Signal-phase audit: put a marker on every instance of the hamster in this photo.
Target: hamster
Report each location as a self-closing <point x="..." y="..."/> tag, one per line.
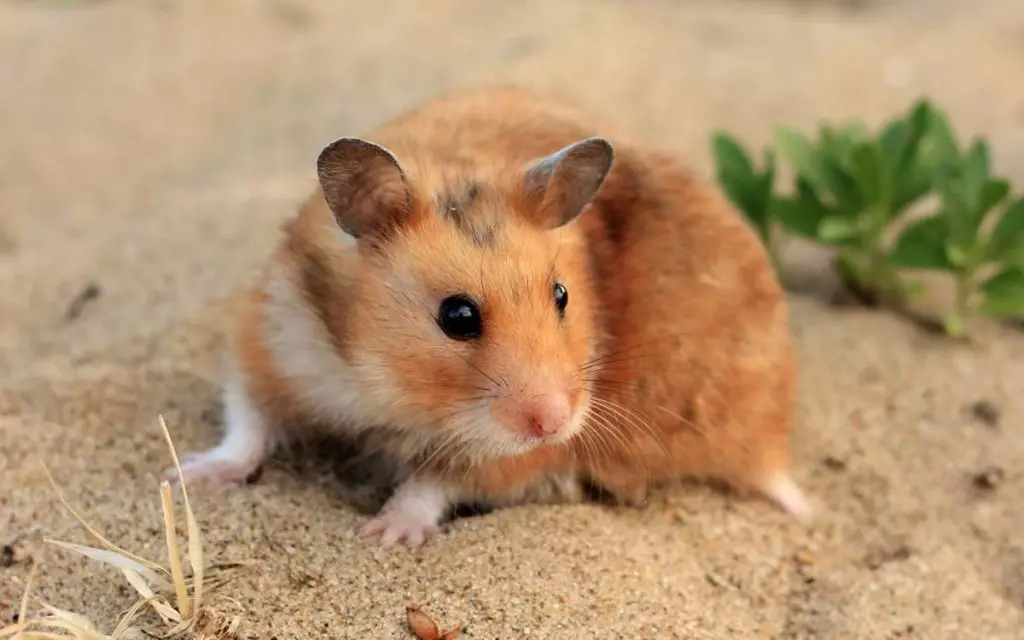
<point x="497" y="291"/>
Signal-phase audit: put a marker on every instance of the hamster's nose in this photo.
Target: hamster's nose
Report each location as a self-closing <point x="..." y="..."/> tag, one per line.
<point x="547" y="415"/>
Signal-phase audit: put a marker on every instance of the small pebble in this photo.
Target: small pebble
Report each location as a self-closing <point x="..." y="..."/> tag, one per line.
<point x="804" y="558"/>
<point x="835" y="464"/>
<point x="988" y="479"/>
<point x="986" y="412"/>
<point x="878" y="558"/>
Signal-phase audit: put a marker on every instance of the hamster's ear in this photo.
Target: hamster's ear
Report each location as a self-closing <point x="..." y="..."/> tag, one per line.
<point x="559" y="186"/>
<point x="364" y="186"/>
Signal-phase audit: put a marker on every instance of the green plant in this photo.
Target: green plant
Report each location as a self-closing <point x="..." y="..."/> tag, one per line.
<point x="851" y="186"/>
<point x="986" y="260"/>
<point x="746" y="187"/>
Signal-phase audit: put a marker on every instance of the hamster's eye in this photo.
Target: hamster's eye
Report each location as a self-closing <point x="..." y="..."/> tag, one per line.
<point x="460" y="318"/>
<point x="561" y="297"/>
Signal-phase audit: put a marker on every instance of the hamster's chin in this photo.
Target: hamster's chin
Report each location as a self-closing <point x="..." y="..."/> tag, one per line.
<point x="503" y="442"/>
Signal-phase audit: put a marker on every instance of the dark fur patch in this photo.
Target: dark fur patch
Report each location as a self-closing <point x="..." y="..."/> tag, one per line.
<point x="457" y="207"/>
<point x="464" y="510"/>
<point x="319" y="292"/>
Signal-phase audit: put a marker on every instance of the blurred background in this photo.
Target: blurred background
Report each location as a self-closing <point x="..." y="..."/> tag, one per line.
<point x="119" y="116"/>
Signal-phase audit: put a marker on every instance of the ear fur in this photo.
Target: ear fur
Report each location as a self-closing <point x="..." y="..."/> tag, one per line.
<point x="562" y="184"/>
<point x="364" y="186"/>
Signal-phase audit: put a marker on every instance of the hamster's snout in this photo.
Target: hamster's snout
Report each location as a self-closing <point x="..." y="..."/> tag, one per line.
<point x="537" y="410"/>
<point x="547" y="415"/>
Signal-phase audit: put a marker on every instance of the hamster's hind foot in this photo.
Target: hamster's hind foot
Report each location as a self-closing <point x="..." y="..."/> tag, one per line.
<point x="247" y="441"/>
<point x="780" y="488"/>
<point x="211" y="471"/>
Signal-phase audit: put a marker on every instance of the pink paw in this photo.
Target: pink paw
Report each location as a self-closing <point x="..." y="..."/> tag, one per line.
<point x="409" y="526"/>
<point x="207" y="472"/>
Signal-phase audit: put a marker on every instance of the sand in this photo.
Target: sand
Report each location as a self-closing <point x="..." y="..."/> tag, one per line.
<point x="151" y="148"/>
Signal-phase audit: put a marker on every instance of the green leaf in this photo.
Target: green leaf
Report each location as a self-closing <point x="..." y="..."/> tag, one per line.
<point x="1004" y="293"/>
<point x="853" y="131"/>
<point x="891" y="140"/>
<point x="737" y="176"/>
<point x="1003" y="307"/>
<point x="838" y="144"/>
<point x="801" y="214"/>
<point x="905" y="181"/>
<point x="968" y="194"/>
<point x="908" y="190"/>
<point x="795" y="147"/>
<point x="975" y="175"/>
<point x="1015" y="257"/>
<point x="917" y="124"/>
<point x="938" y="145"/>
<point x="767" y="181"/>
<point x="922" y="245"/>
<point x="1007" y="282"/>
<point x="962" y="230"/>
<point x="957" y="255"/>
<point x="731" y="157"/>
<point x="937" y="153"/>
<point x="834" y="229"/>
<point x="867" y="170"/>
<point x="794" y="216"/>
<point x="994" y="192"/>
<point x="848" y="196"/>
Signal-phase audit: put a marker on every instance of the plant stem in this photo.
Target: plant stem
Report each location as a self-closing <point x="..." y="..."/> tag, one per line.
<point x="769" y="244"/>
<point x="882" y="276"/>
<point x="854" y="277"/>
<point x="954" y="322"/>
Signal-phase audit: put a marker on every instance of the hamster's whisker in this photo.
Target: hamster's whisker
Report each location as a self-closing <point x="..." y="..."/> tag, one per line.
<point x="485" y="394"/>
<point x="585" y="436"/>
<point x="621" y="352"/>
<point x="601" y="443"/>
<point x="449" y="441"/>
<point x="479" y="370"/>
<point x="690" y="423"/>
<point x="596" y="419"/>
<point x="634" y="419"/>
<point x="613" y="430"/>
<point x="448" y="418"/>
<point x="618" y="360"/>
<point x="608" y="384"/>
<point x="610" y="355"/>
<point x="458" y="449"/>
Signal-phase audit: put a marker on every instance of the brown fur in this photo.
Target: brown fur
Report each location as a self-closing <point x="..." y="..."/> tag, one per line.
<point x="676" y="326"/>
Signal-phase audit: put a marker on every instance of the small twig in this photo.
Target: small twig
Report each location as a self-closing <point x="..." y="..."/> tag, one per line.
<point x="90" y="292"/>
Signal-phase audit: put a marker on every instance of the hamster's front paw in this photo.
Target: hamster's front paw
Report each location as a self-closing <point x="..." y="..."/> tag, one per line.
<point x="211" y="471"/>
<point x="400" y="526"/>
<point x="412" y="515"/>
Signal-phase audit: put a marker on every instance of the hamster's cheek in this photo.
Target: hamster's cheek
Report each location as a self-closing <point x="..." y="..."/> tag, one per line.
<point x="435" y="381"/>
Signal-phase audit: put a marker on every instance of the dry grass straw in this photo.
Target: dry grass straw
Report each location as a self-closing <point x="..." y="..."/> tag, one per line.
<point x="177" y="600"/>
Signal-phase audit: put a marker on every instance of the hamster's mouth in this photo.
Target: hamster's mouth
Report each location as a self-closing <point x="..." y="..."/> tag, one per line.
<point x="505" y="443"/>
<point x="528" y="442"/>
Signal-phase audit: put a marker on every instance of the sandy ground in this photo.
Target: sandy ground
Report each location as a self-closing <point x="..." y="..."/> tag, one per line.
<point x="152" y="148"/>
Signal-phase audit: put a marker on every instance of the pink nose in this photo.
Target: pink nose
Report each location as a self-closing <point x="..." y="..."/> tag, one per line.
<point x="547" y="415"/>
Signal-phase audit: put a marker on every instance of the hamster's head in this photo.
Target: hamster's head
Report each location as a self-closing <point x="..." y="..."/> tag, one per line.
<point x="471" y="316"/>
